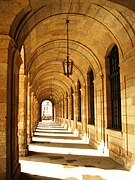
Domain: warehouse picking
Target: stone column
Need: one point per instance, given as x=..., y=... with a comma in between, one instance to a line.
x=22, y=116
x=14, y=112
x=84, y=112
x=69, y=112
x=58, y=111
x=66, y=111
x=75, y=95
x=36, y=112
x=32, y=113
x=22, y=112
x=5, y=105
x=53, y=112
x=29, y=135
x=64, y=103
x=40, y=116
x=62, y=110
x=10, y=62
x=87, y=104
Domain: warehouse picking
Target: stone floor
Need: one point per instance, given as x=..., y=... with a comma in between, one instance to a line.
x=55, y=153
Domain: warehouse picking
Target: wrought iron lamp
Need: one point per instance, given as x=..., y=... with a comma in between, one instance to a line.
x=68, y=63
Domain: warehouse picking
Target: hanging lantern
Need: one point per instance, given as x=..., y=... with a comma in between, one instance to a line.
x=68, y=67
x=67, y=64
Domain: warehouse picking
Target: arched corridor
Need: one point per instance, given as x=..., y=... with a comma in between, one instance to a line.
x=79, y=55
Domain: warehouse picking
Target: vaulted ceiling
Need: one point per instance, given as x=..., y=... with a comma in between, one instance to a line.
x=40, y=26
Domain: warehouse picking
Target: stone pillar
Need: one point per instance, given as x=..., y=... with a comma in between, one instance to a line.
x=65, y=105
x=62, y=110
x=40, y=116
x=22, y=117
x=10, y=62
x=29, y=114
x=58, y=111
x=36, y=112
x=84, y=112
x=22, y=112
x=53, y=112
x=14, y=113
x=75, y=95
x=69, y=112
x=66, y=111
x=5, y=116
x=87, y=104
x=35, y=109
x=32, y=113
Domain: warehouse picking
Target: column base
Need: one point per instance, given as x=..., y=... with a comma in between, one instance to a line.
x=69, y=129
x=17, y=172
x=23, y=152
x=103, y=149
x=85, y=138
x=29, y=140
x=76, y=132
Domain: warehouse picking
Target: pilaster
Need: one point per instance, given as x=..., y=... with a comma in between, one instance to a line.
x=75, y=95
x=4, y=119
x=22, y=118
x=69, y=112
x=32, y=113
x=29, y=114
x=84, y=112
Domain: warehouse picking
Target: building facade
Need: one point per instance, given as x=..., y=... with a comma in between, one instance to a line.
x=46, y=110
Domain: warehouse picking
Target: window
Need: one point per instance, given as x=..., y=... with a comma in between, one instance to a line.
x=67, y=105
x=72, y=104
x=79, y=101
x=115, y=95
x=91, y=98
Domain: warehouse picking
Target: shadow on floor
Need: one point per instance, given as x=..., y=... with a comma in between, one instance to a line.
x=73, y=161
x=56, y=137
x=26, y=176
x=65, y=145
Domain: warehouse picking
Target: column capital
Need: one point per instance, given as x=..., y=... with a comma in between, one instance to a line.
x=83, y=90
x=18, y=59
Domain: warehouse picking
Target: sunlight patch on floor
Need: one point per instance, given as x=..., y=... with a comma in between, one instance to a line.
x=62, y=140
x=52, y=130
x=64, y=150
x=55, y=134
x=80, y=173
